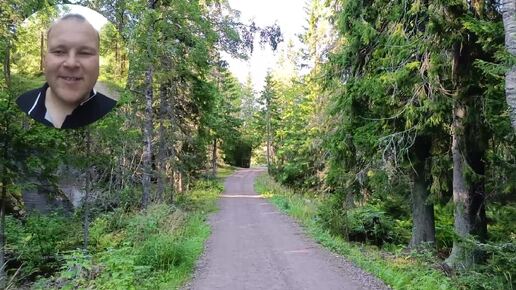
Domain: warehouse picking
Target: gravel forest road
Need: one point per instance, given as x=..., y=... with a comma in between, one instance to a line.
x=254, y=246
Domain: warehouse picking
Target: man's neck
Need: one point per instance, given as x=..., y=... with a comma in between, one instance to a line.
x=57, y=109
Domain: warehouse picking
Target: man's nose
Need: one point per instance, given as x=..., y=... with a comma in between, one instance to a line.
x=71, y=60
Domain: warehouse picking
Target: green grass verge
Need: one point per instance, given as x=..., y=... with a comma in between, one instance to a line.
x=399, y=271
x=152, y=249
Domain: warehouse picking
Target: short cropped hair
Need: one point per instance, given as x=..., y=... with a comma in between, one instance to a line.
x=77, y=17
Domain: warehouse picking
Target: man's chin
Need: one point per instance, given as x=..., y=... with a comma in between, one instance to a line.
x=71, y=98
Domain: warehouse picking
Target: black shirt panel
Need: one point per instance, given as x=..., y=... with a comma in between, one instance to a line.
x=96, y=107
x=33, y=103
x=90, y=111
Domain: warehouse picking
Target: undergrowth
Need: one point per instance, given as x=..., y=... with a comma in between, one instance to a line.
x=129, y=249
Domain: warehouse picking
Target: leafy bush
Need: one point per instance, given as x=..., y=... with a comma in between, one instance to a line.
x=444, y=232
x=497, y=271
x=369, y=223
x=332, y=216
x=119, y=269
x=141, y=226
x=401, y=232
x=133, y=249
x=105, y=233
x=500, y=221
x=38, y=241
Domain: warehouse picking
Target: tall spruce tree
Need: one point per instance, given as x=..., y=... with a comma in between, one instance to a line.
x=509, y=22
x=383, y=97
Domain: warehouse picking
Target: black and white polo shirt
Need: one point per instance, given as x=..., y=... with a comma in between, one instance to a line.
x=89, y=111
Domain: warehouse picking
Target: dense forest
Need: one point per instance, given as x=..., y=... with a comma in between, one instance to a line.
x=394, y=115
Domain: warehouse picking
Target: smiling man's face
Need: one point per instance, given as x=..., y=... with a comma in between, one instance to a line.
x=72, y=60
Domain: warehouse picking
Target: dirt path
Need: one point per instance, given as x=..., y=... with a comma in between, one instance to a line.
x=105, y=90
x=254, y=246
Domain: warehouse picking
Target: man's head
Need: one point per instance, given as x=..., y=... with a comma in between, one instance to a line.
x=72, y=59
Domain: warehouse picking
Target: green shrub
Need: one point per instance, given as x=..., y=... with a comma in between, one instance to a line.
x=129, y=197
x=161, y=252
x=444, y=232
x=401, y=232
x=369, y=223
x=155, y=248
x=366, y=223
x=38, y=241
x=497, y=271
x=141, y=226
x=119, y=269
x=332, y=216
x=500, y=221
x=105, y=232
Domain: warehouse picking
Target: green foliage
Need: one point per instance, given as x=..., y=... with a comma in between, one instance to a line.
x=332, y=216
x=37, y=242
x=141, y=227
x=444, y=233
x=30, y=45
x=202, y=196
x=152, y=249
x=161, y=253
x=237, y=153
x=113, y=55
x=500, y=222
x=499, y=269
x=369, y=223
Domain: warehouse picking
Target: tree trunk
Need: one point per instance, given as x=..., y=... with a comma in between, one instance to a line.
x=41, y=53
x=174, y=127
x=161, y=147
x=7, y=65
x=423, y=225
x=147, y=139
x=468, y=152
x=86, y=201
x=3, y=197
x=268, y=120
x=123, y=64
x=214, y=158
x=469, y=143
x=180, y=182
x=462, y=225
x=148, y=122
x=509, y=23
x=3, y=170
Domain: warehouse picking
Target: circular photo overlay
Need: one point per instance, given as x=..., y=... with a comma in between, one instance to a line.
x=71, y=62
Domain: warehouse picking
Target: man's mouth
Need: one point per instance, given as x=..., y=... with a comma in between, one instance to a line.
x=70, y=79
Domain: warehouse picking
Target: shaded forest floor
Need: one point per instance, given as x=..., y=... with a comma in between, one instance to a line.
x=129, y=248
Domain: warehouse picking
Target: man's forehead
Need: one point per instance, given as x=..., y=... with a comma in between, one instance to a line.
x=71, y=24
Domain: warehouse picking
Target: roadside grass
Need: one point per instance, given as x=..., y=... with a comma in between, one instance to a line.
x=152, y=249
x=397, y=270
x=224, y=171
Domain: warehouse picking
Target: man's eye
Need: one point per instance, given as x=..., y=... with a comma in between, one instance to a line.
x=58, y=52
